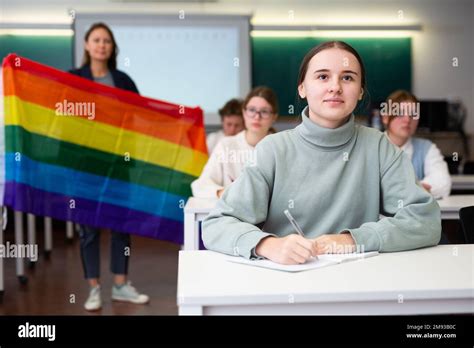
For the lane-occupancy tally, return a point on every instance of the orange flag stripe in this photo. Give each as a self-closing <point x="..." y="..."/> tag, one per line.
<point x="118" y="114"/>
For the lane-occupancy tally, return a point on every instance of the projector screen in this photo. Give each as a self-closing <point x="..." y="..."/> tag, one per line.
<point x="195" y="61"/>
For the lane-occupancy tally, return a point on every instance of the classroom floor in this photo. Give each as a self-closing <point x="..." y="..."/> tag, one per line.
<point x="53" y="283"/>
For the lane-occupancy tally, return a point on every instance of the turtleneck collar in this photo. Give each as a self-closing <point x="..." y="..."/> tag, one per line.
<point x="325" y="137"/>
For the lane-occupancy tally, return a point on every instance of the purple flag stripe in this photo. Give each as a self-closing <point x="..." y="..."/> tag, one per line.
<point x="79" y="210"/>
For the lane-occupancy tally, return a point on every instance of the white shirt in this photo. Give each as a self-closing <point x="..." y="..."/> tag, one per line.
<point x="226" y="163"/>
<point x="435" y="168"/>
<point x="212" y="140"/>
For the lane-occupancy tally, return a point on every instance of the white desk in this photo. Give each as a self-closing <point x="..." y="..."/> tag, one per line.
<point x="195" y="210"/>
<point x="462" y="182"/>
<point x="433" y="280"/>
<point x="451" y="205"/>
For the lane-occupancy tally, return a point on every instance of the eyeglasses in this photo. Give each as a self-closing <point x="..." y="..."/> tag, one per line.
<point x="265" y="114"/>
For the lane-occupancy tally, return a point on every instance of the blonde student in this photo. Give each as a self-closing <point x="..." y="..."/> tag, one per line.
<point x="232" y="154"/>
<point x="335" y="177"/>
<point x="430" y="168"/>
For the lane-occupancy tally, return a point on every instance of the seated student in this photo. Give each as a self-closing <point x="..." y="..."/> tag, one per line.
<point x="430" y="168"/>
<point x="232" y="123"/>
<point x="335" y="177"/>
<point x="260" y="110"/>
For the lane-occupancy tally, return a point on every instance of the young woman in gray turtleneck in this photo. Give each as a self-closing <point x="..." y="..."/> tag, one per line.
<point x="334" y="176"/>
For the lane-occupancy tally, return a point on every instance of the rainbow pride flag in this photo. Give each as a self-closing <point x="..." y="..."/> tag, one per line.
<point x="84" y="152"/>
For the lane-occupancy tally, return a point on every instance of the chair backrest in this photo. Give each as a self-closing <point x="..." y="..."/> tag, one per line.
<point x="466" y="216"/>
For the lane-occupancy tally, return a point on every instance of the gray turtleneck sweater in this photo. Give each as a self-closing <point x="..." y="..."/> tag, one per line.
<point x="331" y="180"/>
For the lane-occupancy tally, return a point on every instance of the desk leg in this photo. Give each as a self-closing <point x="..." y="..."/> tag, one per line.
<point x="20" y="266"/>
<point x="190" y="310"/>
<point x="196" y="233"/>
<point x="189" y="219"/>
<point x="48" y="236"/>
<point x="31" y="226"/>
<point x="69" y="231"/>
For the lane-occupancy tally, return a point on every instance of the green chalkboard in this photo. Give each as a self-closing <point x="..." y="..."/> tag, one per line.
<point x="55" y="51"/>
<point x="276" y="61"/>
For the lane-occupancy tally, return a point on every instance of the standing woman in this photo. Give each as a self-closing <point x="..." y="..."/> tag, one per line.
<point x="233" y="153"/>
<point x="335" y="177"/>
<point x="100" y="65"/>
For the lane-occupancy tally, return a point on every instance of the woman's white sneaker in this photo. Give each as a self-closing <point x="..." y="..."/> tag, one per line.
<point x="94" y="301"/>
<point x="127" y="293"/>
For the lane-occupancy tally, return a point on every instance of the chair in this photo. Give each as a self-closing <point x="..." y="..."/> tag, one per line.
<point x="453" y="166"/>
<point x="468" y="167"/>
<point x="466" y="217"/>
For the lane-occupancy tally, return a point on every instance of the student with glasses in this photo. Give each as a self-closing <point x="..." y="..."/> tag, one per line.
<point x="232" y="154"/>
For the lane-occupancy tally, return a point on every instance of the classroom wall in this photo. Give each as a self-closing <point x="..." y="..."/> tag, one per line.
<point x="448" y="30"/>
<point x="448" y="34"/>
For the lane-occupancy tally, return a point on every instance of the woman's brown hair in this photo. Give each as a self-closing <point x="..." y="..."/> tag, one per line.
<point x="265" y="93"/>
<point x="112" y="62"/>
<point x="232" y="107"/>
<point x="397" y="97"/>
<point x="324" y="46"/>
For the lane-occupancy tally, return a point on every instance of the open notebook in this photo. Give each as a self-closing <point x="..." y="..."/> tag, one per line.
<point x="322" y="261"/>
